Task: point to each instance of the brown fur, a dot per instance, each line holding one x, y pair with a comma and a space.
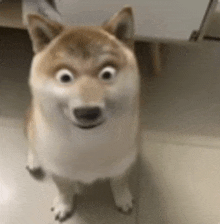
78, 44
28, 119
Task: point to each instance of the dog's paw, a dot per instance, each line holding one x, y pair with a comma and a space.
62, 209
36, 172
32, 162
124, 202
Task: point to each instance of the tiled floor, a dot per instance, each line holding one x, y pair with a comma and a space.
180, 140
180, 148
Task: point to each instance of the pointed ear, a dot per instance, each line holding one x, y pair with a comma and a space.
42, 31
121, 25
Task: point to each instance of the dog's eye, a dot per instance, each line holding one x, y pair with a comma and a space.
64, 76
108, 74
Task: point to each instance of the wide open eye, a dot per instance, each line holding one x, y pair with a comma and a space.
108, 74
64, 76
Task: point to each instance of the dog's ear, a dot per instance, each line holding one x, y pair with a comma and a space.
42, 31
121, 25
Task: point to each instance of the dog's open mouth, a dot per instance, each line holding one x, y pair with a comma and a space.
88, 126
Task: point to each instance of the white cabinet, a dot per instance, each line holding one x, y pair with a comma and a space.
169, 19
11, 14
175, 19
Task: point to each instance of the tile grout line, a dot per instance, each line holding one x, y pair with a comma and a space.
185, 144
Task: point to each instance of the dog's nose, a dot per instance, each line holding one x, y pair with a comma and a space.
87, 113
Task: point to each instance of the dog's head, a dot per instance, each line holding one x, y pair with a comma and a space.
85, 74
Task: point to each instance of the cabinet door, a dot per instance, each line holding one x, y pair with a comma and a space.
175, 19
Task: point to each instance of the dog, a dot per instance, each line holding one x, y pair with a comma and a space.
83, 119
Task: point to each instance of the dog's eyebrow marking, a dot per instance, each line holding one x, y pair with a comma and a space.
112, 53
78, 50
87, 43
64, 66
75, 50
87, 53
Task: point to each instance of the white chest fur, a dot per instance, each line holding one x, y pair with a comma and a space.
86, 155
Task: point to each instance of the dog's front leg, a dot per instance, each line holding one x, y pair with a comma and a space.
121, 193
33, 165
32, 160
63, 206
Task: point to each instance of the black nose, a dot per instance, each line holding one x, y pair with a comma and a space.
87, 113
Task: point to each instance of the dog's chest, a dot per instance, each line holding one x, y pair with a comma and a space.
65, 151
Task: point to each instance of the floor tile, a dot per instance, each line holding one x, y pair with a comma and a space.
179, 183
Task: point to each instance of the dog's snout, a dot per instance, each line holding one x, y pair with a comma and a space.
87, 113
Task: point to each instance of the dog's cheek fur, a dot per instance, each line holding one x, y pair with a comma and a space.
120, 99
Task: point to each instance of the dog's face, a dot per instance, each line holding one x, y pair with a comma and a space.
87, 75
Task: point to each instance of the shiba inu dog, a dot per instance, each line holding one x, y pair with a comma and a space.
82, 123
